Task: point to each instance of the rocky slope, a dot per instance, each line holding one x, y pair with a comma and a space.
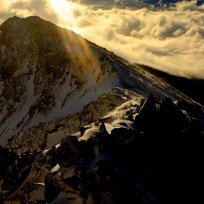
48, 72
50, 133
144, 151
45, 70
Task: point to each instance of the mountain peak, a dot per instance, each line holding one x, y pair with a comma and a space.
10, 23
14, 24
44, 70
16, 19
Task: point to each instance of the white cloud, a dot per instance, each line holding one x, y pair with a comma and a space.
170, 40
23, 8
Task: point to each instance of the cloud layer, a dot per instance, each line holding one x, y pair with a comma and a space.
171, 40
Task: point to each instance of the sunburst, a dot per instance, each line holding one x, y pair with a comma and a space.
63, 10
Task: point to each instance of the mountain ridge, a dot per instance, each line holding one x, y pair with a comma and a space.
80, 124
116, 160
36, 53
189, 86
49, 72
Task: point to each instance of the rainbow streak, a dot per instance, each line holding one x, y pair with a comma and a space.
78, 49
85, 59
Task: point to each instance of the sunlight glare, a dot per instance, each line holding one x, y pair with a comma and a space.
63, 10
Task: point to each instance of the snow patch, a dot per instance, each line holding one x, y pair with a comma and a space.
55, 168
91, 130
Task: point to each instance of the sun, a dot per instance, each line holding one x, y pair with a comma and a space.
64, 11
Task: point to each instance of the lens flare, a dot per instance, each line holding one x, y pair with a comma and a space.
79, 50
83, 54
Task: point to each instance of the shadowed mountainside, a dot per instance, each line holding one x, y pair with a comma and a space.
152, 154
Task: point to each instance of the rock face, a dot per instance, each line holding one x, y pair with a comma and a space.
149, 151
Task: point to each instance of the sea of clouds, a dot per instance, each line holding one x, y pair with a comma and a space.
168, 39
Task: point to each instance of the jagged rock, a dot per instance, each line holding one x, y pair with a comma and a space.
7, 159
82, 130
51, 188
171, 118
68, 153
14, 170
148, 118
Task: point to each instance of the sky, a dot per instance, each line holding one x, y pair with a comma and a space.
170, 38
